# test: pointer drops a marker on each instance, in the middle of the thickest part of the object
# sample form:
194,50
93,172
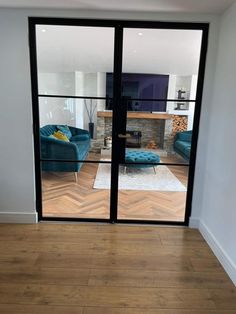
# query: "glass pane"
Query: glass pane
72,190
159,133
152,193
160,63
89,127
72,61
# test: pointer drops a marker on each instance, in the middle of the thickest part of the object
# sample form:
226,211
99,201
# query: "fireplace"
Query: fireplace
144,127
134,140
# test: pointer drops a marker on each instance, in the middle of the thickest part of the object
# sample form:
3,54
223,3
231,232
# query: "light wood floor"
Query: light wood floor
63,197
110,269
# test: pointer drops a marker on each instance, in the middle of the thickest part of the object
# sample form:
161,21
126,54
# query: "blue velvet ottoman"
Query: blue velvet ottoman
141,156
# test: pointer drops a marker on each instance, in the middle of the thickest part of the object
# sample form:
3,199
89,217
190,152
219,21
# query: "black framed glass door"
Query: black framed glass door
160,70
125,104
69,93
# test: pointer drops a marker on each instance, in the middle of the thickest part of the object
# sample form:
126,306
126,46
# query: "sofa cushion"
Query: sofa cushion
48,130
80,137
60,136
65,129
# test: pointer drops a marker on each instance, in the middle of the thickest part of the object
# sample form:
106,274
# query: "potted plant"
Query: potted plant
90,109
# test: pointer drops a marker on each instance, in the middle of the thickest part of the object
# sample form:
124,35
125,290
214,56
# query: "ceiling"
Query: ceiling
91,49
190,6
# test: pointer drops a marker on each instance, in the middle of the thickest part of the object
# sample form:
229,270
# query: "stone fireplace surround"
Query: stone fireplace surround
156,127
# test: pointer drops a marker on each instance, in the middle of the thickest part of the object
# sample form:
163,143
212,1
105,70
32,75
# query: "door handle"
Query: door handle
124,135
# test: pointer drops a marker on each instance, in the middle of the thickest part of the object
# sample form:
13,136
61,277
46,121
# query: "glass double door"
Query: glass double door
114,109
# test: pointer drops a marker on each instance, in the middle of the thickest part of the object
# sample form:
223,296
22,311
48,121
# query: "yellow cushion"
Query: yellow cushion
61,136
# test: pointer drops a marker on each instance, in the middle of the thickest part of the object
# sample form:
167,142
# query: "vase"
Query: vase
91,129
108,142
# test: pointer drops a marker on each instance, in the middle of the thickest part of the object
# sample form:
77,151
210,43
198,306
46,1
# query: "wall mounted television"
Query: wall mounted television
140,86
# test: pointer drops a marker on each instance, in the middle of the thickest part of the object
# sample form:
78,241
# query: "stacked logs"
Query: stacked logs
179,124
151,145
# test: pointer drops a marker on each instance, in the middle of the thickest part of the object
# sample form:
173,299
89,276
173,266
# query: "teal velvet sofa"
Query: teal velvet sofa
182,144
76,149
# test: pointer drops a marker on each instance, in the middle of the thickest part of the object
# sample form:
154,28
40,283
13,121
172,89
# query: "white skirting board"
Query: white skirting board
19,217
228,265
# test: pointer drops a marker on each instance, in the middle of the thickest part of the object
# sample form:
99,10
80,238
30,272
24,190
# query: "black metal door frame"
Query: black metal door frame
119,109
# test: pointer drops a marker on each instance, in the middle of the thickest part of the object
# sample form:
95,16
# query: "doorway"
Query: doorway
127,97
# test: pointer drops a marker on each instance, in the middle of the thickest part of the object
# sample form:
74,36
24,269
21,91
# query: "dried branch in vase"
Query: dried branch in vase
90,108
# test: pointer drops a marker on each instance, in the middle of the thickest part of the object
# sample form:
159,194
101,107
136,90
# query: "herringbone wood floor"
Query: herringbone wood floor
63,197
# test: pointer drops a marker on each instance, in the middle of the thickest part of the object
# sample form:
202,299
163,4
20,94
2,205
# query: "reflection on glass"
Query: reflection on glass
57,111
75,194
154,192
76,63
161,52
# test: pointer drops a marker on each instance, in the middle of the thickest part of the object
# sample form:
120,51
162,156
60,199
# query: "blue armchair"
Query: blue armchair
76,149
182,144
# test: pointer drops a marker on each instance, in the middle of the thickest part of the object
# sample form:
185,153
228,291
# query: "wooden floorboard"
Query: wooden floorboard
110,269
63,197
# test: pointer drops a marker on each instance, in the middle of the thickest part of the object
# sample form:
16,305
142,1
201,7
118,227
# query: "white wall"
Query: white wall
185,83
90,89
188,84
218,217
69,111
79,90
89,84
17,191
193,91
57,110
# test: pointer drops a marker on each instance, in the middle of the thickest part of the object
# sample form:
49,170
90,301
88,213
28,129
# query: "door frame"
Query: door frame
118,26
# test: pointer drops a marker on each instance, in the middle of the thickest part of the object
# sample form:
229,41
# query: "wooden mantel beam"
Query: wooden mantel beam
139,115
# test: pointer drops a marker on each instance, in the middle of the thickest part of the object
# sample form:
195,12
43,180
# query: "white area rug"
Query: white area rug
139,179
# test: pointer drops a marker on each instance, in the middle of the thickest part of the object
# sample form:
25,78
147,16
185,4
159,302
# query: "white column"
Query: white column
101,92
171,93
193,90
79,91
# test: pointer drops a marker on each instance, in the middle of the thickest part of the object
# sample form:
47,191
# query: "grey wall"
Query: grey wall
16,145
17,191
218,217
